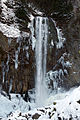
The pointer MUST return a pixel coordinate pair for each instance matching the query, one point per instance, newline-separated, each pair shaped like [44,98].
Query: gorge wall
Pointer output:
[17,58]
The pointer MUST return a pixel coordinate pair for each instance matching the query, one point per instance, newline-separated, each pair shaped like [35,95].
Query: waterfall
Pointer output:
[39,37]
[41,55]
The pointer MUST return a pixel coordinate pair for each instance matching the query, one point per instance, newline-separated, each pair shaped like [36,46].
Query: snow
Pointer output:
[16,103]
[69,105]
[32,33]
[5,106]
[64,105]
[56,76]
[9,31]
[16,59]
[64,63]
[7,13]
[60,38]
[9,27]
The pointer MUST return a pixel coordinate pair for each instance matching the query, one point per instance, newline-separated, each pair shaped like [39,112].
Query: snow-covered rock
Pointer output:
[8,15]
[8,106]
[67,108]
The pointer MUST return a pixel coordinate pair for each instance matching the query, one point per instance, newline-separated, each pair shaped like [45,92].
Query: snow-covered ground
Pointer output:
[16,103]
[64,106]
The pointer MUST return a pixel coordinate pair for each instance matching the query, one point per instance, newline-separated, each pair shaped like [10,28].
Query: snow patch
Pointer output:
[8,15]
[9,31]
[16,103]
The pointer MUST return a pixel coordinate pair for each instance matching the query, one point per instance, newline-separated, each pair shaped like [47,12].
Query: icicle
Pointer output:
[16,59]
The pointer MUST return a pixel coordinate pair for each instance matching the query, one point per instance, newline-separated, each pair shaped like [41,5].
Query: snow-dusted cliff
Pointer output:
[39,58]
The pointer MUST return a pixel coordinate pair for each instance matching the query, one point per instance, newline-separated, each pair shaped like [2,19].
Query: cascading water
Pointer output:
[41,31]
[41,54]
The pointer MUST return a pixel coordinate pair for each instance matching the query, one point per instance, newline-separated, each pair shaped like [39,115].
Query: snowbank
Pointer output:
[8,106]
[67,108]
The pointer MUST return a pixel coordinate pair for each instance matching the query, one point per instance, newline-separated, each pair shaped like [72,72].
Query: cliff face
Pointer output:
[67,16]
[16,55]
[17,58]
[71,30]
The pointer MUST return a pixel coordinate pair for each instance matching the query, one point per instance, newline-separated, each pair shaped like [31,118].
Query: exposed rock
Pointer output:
[59,118]
[21,78]
[3,42]
[54,103]
[36,116]
[78,101]
[71,30]
[0,10]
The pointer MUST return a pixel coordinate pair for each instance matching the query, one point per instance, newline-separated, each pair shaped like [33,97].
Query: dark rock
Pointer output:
[20,114]
[29,114]
[54,109]
[59,118]
[42,110]
[71,118]
[0,10]
[49,113]
[29,108]
[3,43]
[26,116]
[54,103]
[78,101]
[36,116]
